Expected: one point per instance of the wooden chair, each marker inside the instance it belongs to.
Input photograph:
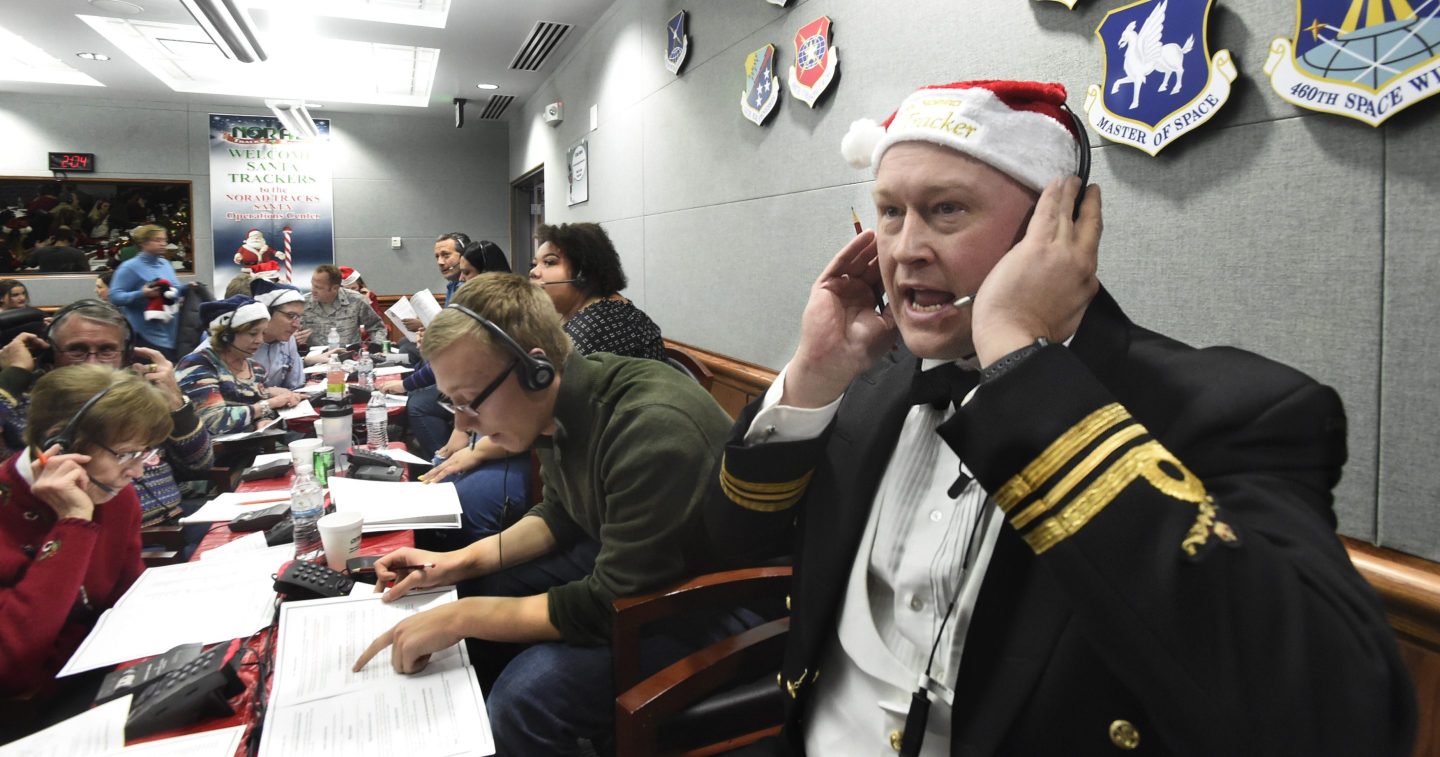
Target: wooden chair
(686, 362)
(716, 699)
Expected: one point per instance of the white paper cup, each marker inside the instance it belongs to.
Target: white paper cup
(302, 452)
(340, 535)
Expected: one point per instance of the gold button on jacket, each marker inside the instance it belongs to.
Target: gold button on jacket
(1124, 735)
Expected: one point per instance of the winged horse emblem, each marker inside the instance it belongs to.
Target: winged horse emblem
(1145, 53)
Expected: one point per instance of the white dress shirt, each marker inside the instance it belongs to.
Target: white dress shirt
(921, 550)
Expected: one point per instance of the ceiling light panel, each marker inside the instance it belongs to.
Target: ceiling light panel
(431, 13)
(370, 73)
(22, 61)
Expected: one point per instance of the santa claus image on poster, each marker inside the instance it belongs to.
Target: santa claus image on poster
(256, 250)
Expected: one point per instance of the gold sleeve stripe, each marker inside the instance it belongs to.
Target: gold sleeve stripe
(1092, 461)
(1080, 436)
(765, 498)
(1142, 461)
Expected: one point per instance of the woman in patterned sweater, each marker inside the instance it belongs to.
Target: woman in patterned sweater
(227, 387)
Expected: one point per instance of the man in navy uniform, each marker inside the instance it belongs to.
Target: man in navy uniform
(1087, 536)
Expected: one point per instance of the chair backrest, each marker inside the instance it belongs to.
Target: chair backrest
(686, 362)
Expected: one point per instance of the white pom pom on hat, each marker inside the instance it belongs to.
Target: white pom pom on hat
(1017, 127)
(858, 144)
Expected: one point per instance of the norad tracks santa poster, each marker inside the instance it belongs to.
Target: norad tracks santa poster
(271, 201)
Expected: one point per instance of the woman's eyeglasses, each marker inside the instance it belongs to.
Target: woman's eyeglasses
(125, 458)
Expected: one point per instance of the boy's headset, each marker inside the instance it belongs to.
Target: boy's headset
(536, 372)
(92, 306)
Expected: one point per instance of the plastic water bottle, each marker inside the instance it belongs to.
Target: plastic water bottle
(376, 416)
(307, 504)
(334, 378)
(366, 368)
(333, 340)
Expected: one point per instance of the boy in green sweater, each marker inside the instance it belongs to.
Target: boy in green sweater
(624, 445)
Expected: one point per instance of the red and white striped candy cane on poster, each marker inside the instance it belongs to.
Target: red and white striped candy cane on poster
(289, 272)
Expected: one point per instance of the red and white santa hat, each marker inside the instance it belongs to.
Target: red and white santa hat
(269, 270)
(348, 275)
(1018, 127)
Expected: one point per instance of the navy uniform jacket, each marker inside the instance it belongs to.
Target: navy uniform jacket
(1170, 558)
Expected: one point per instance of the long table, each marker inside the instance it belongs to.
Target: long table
(245, 704)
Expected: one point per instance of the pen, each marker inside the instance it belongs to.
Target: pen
(422, 566)
(856, 218)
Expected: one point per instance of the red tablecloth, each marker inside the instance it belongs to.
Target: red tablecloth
(244, 703)
(306, 426)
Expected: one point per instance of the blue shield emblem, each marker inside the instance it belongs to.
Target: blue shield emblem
(1160, 80)
(760, 94)
(1366, 59)
(677, 43)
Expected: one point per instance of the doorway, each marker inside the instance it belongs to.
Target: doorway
(527, 213)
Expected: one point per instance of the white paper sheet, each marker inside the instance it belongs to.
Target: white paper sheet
(302, 410)
(96, 731)
(269, 457)
(403, 456)
(388, 506)
(393, 370)
(221, 742)
(320, 640)
(260, 430)
(397, 314)
(442, 714)
(311, 370)
(249, 543)
(204, 601)
(229, 506)
(425, 306)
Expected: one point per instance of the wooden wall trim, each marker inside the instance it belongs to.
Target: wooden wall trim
(756, 378)
(1408, 585)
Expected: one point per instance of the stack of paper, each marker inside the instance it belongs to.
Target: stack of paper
(231, 505)
(97, 731)
(302, 410)
(421, 306)
(262, 428)
(318, 706)
(206, 601)
(390, 506)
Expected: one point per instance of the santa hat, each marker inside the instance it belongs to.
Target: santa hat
(1017, 127)
(273, 296)
(348, 275)
(268, 271)
(233, 312)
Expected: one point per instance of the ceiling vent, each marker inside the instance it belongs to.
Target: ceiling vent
(543, 39)
(496, 108)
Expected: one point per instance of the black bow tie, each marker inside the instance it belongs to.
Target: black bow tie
(942, 385)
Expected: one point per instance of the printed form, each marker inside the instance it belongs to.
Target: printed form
(318, 706)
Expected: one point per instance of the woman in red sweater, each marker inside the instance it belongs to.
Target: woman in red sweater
(69, 518)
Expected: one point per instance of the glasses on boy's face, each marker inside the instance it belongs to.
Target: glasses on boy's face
(472, 408)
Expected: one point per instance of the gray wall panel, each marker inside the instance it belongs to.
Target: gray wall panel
(1410, 412)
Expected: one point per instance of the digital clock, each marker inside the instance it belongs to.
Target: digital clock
(72, 161)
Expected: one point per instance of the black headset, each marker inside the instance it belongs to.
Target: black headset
(1083, 168)
(458, 237)
(92, 303)
(66, 437)
(536, 371)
